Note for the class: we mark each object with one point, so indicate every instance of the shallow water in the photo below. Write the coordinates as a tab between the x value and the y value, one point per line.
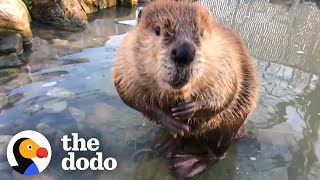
66	87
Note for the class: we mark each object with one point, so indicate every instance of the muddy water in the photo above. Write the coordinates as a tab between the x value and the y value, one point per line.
66	87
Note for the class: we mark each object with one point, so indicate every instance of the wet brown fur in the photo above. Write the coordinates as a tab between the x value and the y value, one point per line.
227	84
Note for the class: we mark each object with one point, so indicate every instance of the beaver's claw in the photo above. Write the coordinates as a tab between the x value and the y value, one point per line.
185	110
175	127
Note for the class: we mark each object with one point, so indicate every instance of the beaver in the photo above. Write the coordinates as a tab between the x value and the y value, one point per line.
195	77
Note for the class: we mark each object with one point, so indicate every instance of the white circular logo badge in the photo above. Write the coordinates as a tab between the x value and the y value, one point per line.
29	153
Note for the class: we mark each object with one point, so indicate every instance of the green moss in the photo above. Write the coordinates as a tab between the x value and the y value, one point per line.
28	4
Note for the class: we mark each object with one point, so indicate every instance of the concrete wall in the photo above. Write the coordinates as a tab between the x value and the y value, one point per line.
283	32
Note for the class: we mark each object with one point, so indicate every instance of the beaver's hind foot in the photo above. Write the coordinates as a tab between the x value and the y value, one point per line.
189	166
168	145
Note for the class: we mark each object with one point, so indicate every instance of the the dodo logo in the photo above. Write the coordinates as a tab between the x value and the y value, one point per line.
29	152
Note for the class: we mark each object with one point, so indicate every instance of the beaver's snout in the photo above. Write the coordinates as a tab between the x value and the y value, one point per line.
181	77
183	54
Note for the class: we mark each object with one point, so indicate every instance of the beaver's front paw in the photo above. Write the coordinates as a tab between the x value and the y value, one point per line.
175	127
185	110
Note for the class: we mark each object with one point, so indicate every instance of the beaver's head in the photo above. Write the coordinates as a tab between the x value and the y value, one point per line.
169	41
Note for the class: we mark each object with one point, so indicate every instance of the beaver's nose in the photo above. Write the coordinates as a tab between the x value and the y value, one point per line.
183	54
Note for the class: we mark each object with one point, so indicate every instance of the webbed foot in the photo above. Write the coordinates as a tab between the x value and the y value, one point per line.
168	145
188	166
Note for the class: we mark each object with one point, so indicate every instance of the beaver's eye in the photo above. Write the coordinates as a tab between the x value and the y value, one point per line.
157	30
29	147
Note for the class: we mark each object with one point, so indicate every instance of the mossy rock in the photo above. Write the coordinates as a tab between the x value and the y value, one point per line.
128	3
11	60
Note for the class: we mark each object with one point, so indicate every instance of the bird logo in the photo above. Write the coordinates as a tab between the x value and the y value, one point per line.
29	153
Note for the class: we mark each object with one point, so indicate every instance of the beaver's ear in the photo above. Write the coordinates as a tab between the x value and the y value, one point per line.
139	15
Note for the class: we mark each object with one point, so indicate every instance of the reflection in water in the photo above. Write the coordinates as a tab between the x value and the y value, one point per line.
309	145
292	118
67	87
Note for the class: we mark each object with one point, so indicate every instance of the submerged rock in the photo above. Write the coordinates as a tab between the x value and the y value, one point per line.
77	114
11	44
9	101
42	176
59	93
4	166
67	15
102	112
153	169
45	129
55	106
4	141
15	18
11	60
3	102
8	74
33	108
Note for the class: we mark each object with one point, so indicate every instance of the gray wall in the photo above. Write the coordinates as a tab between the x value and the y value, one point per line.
285	32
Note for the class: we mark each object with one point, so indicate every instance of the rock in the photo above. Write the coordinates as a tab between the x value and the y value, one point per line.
77	114
89	6
67	15
130	3
8	74
59	93
15	18
33	108
102	112
60	42
106	3
45	129
55	106
11	60
6	101
75	61
157	169
3	100
314	171
3	103
11	44
4	141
